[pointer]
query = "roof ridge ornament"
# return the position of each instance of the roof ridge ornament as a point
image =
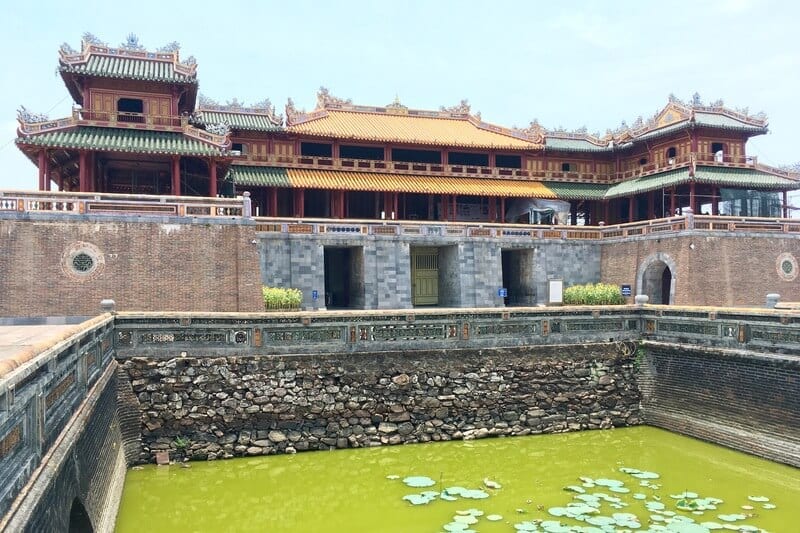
(264, 107)
(325, 99)
(462, 108)
(170, 48)
(132, 43)
(27, 117)
(90, 38)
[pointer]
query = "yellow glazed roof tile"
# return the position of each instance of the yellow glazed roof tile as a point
(411, 129)
(369, 181)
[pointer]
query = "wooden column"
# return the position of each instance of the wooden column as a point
(715, 201)
(692, 197)
(651, 207)
(573, 213)
(445, 205)
(785, 204)
(212, 178)
(299, 203)
(44, 180)
(631, 201)
(502, 209)
(176, 176)
(672, 202)
(273, 201)
(492, 209)
(395, 205)
(83, 171)
(454, 214)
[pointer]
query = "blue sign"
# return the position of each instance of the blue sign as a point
(315, 295)
(626, 290)
(502, 292)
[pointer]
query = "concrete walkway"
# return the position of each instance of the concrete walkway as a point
(15, 340)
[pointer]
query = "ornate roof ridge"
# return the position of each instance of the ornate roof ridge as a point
(91, 45)
(263, 108)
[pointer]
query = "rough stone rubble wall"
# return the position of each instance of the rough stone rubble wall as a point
(251, 406)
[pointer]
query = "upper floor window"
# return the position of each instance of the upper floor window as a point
(130, 105)
(643, 161)
(718, 149)
(372, 153)
(672, 153)
(416, 156)
(239, 147)
(508, 161)
(316, 149)
(467, 159)
(569, 167)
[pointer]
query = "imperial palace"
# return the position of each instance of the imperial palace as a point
(390, 207)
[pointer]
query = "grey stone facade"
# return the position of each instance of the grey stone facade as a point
(470, 269)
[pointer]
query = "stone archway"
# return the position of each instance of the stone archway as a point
(79, 521)
(656, 278)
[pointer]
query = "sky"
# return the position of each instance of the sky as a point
(567, 64)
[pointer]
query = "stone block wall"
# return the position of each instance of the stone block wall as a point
(743, 400)
(234, 406)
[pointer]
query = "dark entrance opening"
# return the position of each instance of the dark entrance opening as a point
(518, 277)
(666, 282)
(79, 521)
(344, 277)
(657, 283)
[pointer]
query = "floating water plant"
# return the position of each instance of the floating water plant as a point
(419, 481)
(769, 506)
(731, 517)
(758, 498)
(392, 476)
(526, 526)
(494, 517)
(491, 484)
(417, 499)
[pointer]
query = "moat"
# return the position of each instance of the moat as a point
(351, 490)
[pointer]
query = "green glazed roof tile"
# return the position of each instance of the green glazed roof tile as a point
(121, 140)
(744, 178)
(238, 121)
(579, 145)
(129, 68)
(259, 176)
(723, 121)
(577, 191)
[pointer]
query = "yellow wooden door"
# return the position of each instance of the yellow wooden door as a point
(425, 276)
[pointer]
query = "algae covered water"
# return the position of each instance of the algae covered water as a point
(633, 479)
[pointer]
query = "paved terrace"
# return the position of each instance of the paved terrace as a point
(19, 344)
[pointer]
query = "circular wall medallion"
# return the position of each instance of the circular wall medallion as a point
(82, 261)
(786, 266)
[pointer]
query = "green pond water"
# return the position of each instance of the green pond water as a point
(355, 490)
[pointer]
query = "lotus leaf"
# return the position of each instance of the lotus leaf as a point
(629, 470)
(446, 497)
(558, 511)
(494, 517)
(639, 496)
(747, 527)
(609, 482)
(682, 495)
(455, 491)
(646, 475)
(553, 526)
(657, 518)
(712, 525)
(621, 490)
(432, 494)
(475, 494)
(575, 488)
(758, 498)
(419, 481)
(686, 528)
(600, 521)
(392, 476)
(526, 526)
(468, 519)
(769, 506)
(731, 517)
(455, 526)
(654, 506)
(748, 507)
(416, 499)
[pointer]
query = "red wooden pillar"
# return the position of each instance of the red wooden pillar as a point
(454, 214)
(672, 202)
(299, 203)
(630, 208)
(395, 206)
(785, 204)
(445, 205)
(273, 201)
(44, 179)
(715, 201)
(651, 205)
(502, 209)
(492, 209)
(176, 175)
(212, 178)
(692, 197)
(83, 171)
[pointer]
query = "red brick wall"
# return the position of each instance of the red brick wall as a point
(719, 271)
(148, 267)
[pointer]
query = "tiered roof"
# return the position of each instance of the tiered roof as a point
(396, 123)
(258, 117)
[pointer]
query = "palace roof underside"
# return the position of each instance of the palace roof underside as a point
(257, 176)
(122, 140)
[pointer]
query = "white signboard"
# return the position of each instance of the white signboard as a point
(555, 292)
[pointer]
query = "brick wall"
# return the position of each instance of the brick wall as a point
(745, 401)
(729, 270)
(143, 265)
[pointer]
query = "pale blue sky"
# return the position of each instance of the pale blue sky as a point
(566, 63)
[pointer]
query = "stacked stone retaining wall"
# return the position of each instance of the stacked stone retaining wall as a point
(209, 408)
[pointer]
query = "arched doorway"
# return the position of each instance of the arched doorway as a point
(79, 521)
(656, 279)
